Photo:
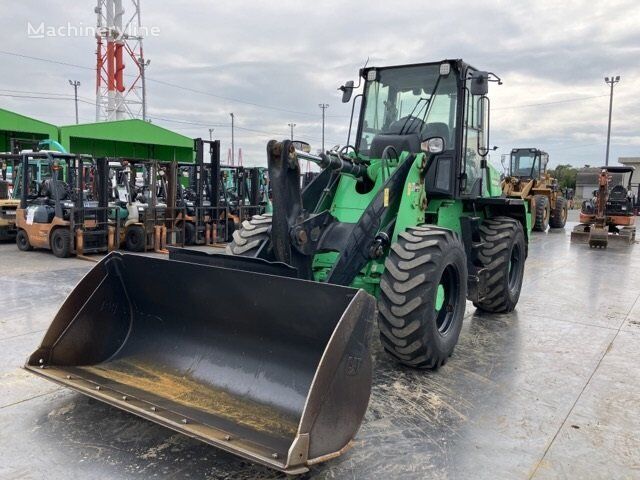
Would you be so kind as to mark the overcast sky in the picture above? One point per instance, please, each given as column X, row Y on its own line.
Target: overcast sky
column 272, row 63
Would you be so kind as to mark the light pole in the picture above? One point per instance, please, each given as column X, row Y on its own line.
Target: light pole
column 291, row 125
column 323, row 106
column 211, row 134
column 75, row 84
column 233, row 145
column 610, row 81
column 143, row 77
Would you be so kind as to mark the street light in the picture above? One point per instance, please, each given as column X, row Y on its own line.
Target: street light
column 211, row 134
column 233, row 145
column 75, row 84
column 291, row 125
column 611, row 82
column 143, row 64
column 323, row 106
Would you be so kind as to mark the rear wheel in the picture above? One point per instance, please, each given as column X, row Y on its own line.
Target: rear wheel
column 424, row 290
column 22, row 241
column 134, row 239
column 189, row 233
column 558, row 217
column 543, row 210
column 252, row 237
column 502, row 254
column 61, row 242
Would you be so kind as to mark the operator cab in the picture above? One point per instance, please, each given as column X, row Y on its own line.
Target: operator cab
column 438, row 108
column 528, row 163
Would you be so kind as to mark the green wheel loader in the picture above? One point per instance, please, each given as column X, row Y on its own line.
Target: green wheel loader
column 267, row 355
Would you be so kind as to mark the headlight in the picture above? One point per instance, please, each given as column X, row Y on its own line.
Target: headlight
column 433, row 145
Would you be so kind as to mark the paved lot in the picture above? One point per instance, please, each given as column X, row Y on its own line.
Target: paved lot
column 549, row 391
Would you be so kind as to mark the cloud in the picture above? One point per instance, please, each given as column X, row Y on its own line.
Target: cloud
column 293, row 57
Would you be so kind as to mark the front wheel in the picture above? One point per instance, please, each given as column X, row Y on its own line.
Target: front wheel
column 559, row 214
column 542, row 211
column 423, row 296
column 22, row 241
column 502, row 254
column 135, row 239
column 61, row 242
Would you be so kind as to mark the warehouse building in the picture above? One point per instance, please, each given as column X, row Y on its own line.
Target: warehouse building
column 125, row 138
column 19, row 131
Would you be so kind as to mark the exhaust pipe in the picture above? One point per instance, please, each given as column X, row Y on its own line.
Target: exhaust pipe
column 273, row 369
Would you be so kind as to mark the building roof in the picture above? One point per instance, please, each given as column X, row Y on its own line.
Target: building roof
column 133, row 131
column 15, row 122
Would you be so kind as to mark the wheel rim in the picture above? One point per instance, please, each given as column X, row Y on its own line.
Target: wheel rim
column 446, row 298
column 57, row 242
column 515, row 264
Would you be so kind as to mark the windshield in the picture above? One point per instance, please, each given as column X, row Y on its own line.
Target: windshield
column 523, row 163
column 407, row 100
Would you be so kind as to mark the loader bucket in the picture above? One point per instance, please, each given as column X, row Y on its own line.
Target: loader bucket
column 274, row 369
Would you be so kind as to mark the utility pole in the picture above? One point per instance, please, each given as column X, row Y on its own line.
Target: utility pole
column 610, row 81
column 291, row 125
column 233, row 146
column 143, row 72
column 211, row 134
column 75, row 84
column 323, row 106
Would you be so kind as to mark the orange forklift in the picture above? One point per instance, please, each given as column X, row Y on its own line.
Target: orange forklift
column 66, row 210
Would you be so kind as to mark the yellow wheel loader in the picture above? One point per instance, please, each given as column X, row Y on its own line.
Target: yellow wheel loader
column 528, row 179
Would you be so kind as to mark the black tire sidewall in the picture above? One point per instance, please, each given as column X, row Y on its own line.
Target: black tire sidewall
column 444, row 344
column 514, row 294
column 189, row 233
column 61, row 243
column 540, row 213
column 22, row 241
column 135, row 239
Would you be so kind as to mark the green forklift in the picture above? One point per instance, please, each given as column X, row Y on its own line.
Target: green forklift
column 408, row 219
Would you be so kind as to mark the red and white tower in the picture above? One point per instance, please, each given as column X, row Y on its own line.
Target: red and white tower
column 120, row 70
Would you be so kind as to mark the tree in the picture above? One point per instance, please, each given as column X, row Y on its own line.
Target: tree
column 566, row 176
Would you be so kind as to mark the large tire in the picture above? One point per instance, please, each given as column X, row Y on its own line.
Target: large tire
column 543, row 212
column 22, row 241
column 503, row 254
column 558, row 217
column 412, row 328
column 61, row 242
column 250, row 239
column 135, row 239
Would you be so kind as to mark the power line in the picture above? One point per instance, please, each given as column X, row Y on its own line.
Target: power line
column 168, row 84
column 578, row 99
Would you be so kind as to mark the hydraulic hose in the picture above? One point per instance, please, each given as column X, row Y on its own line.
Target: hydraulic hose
column 331, row 161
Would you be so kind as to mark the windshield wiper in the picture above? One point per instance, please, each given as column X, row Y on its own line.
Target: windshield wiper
column 411, row 117
column 427, row 105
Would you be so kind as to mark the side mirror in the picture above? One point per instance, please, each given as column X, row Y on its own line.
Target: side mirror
column 479, row 83
column 302, row 146
column 347, row 91
column 433, row 145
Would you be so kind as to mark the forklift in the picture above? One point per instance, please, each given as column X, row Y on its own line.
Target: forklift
column 138, row 190
column 66, row 211
column 8, row 204
column 198, row 215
